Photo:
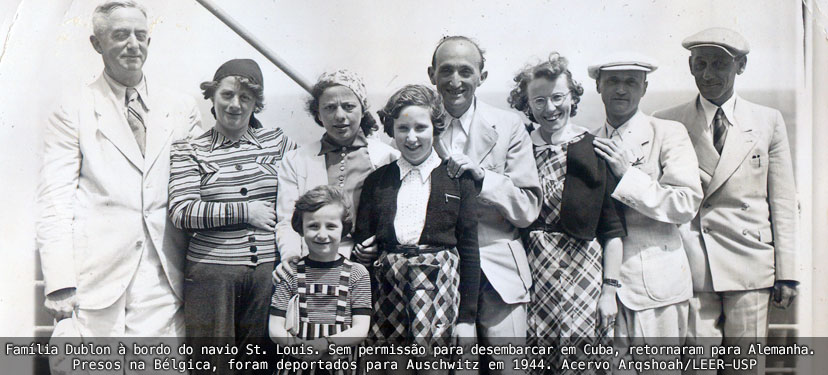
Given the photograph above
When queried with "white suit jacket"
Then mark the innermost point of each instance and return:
(102, 204)
(303, 169)
(744, 236)
(660, 192)
(509, 198)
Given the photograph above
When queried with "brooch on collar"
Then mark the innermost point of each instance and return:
(638, 161)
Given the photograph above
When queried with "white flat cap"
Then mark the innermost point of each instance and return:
(730, 41)
(623, 61)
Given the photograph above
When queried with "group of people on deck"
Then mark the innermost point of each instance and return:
(472, 226)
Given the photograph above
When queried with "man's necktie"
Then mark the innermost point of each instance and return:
(719, 130)
(135, 118)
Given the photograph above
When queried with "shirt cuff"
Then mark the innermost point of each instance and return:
(243, 210)
(276, 311)
(630, 186)
(361, 311)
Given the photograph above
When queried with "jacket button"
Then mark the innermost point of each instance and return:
(251, 238)
(254, 258)
(705, 230)
(253, 249)
(706, 205)
(745, 206)
(744, 232)
(238, 167)
(243, 191)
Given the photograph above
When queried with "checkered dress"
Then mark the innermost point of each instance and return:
(567, 271)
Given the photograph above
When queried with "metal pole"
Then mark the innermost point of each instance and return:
(256, 43)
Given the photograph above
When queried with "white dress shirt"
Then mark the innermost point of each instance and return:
(120, 93)
(623, 135)
(618, 133)
(710, 112)
(458, 136)
(412, 198)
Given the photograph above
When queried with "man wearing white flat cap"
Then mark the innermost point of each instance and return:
(741, 245)
(660, 189)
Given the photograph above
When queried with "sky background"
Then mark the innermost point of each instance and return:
(46, 53)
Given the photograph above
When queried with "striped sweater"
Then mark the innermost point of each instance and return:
(212, 179)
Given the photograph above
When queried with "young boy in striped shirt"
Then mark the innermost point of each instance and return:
(334, 294)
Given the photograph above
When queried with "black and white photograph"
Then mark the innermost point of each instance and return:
(414, 187)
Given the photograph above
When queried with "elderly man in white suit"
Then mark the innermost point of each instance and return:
(660, 189)
(108, 251)
(742, 244)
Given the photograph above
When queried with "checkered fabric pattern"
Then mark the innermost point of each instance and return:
(567, 271)
(417, 298)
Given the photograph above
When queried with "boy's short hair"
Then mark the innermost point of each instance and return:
(317, 198)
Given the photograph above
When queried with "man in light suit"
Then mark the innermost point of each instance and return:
(660, 189)
(494, 147)
(742, 244)
(108, 251)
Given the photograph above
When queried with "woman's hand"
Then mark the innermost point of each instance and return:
(607, 307)
(262, 215)
(283, 271)
(366, 252)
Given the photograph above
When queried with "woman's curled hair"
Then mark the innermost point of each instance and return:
(413, 95)
(551, 70)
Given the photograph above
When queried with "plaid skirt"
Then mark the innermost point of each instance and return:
(417, 298)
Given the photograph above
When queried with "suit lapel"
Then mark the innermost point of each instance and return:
(482, 134)
(639, 139)
(705, 152)
(158, 129)
(112, 123)
(740, 140)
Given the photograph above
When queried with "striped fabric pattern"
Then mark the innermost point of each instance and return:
(334, 304)
(212, 179)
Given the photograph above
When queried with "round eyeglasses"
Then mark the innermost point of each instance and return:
(541, 102)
